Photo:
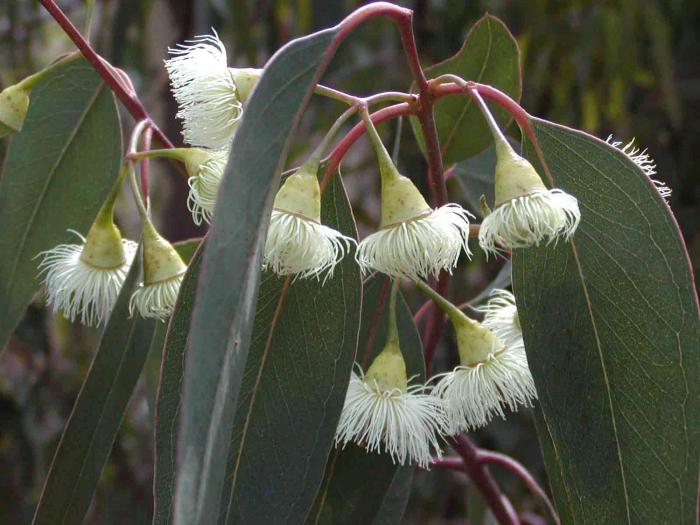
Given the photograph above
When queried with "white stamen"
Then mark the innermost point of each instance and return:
(406, 425)
(77, 289)
(296, 245)
(204, 187)
(644, 161)
(501, 317)
(541, 216)
(205, 92)
(156, 300)
(418, 248)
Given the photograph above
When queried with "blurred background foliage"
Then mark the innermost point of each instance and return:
(622, 67)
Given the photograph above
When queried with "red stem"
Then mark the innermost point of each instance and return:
(106, 71)
(488, 456)
(479, 473)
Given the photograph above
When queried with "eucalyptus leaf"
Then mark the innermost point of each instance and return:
(610, 322)
(296, 377)
(57, 173)
(355, 483)
(97, 414)
(222, 320)
(490, 55)
(169, 397)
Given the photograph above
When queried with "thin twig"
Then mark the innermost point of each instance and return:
(479, 473)
(105, 70)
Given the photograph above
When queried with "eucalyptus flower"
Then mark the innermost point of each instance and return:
(383, 412)
(414, 240)
(491, 375)
(210, 96)
(526, 213)
(493, 372)
(297, 242)
(163, 271)
(83, 280)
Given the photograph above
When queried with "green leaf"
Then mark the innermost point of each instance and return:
(169, 394)
(295, 380)
(222, 319)
(152, 370)
(58, 171)
(490, 55)
(97, 414)
(356, 482)
(611, 330)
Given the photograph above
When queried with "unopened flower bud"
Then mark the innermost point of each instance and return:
(14, 103)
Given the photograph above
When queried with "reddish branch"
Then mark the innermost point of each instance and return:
(106, 71)
(476, 469)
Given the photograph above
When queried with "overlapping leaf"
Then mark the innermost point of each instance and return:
(57, 173)
(222, 319)
(611, 329)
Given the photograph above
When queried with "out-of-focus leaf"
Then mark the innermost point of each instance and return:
(610, 322)
(97, 414)
(502, 280)
(222, 320)
(57, 173)
(170, 395)
(356, 482)
(490, 56)
(296, 377)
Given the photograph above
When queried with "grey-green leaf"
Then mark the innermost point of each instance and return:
(490, 55)
(356, 482)
(97, 414)
(169, 394)
(56, 175)
(222, 319)
(612, 335)
(296, 377)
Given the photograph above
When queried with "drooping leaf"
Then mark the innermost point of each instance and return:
(222, 319)
(489, 55)
(296, 377)
(356, 482)
(57, 173)
(611, 330)
(97, 414)
(169, 396)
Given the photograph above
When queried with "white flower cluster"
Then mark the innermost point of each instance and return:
(407, 421)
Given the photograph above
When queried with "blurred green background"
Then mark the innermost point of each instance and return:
(628, 68)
